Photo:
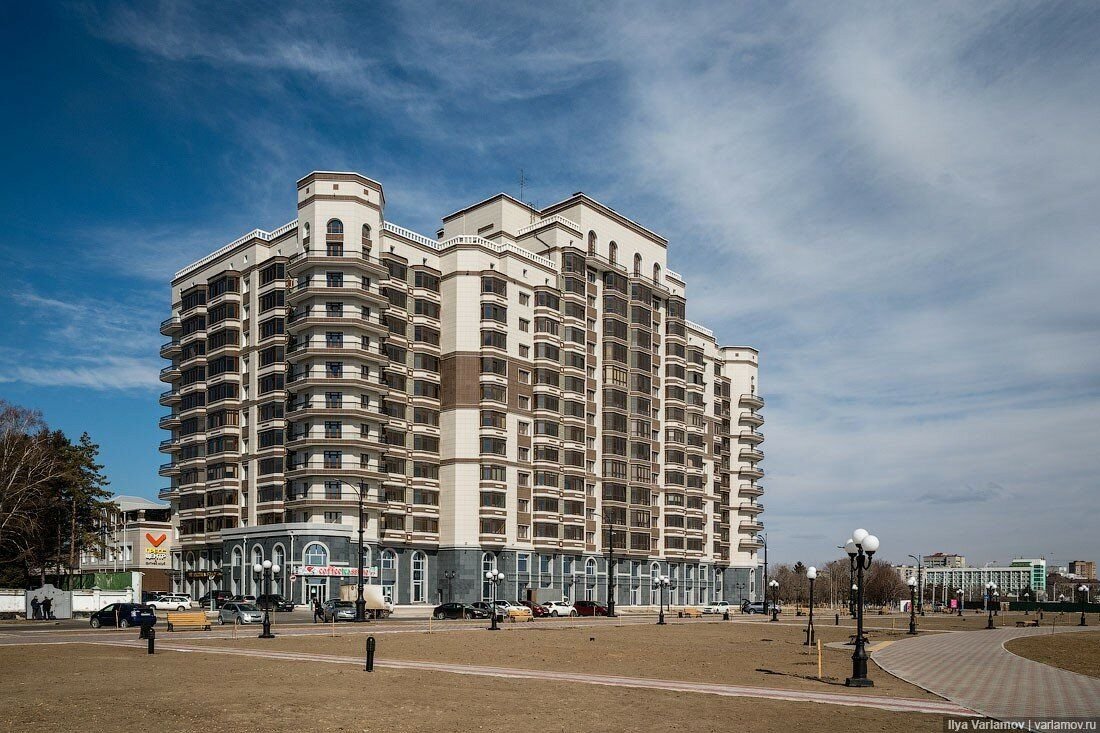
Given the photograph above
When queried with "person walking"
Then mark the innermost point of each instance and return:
(318, 612)
(36, 609)
(47, 608)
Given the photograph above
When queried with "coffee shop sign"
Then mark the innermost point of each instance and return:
(336, 571)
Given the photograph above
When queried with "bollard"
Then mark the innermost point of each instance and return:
(836, 620)
(680, 614)
(143, 631)
(370, 654)
(151, 636)
(726, 615)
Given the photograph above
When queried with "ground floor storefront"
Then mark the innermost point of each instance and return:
(316, 560)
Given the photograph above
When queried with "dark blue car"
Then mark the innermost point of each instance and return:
(124, 615)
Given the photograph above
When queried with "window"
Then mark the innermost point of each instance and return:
(418, 577)
(494, 312)
(488, 564)
(493, 285)
(315, 554)
(426, 280)
(493, 472)
(494, 392)
(273, 299)
(334, 226)
(494, 339)
(494, 446)
(524, 325)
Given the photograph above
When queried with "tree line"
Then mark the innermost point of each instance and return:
(52, 497)
(881, 584)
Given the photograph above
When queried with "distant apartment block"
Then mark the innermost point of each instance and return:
(941, 583)
(944, 560)
(1083, 569)
(521, 392)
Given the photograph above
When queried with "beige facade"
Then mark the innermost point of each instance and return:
(526, 384)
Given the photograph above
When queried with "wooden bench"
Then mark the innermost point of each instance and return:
(188, 620)
(1025, 624)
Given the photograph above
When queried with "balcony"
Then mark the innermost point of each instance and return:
(169, 445)
(167, 493)
(753, 509)
(753, 401)
(750, 472)
(169, 397)
(345, 258)
(750, 491)
(750, 527)
(751, 418)
(750, 454)
(170, 373)
(170, 325)
(751, 436)
(170, 349)
(747, 544)
(169, 421)
(169, 469)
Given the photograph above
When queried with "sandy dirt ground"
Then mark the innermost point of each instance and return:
(90, 688)
(1078, 652)
(758, 654)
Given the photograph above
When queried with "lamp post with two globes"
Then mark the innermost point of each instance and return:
(494, 578)
(959, 593)
(267, 570)
(860, 548)
(774, 585)
(662, 583)
(1084, 591)
(912, 604)
(990, 591)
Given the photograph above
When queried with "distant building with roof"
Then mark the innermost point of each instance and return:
(136, 534)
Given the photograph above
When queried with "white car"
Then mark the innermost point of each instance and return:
(719, 607)
(560, 608)
(171, 602)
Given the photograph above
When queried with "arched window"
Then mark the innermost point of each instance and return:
(237, 570)
(389, 575)
(488, 562)
(637, 264)
(278, 557)
(257, 581)
(366, 556)
(418, 580)
(335, 226)
(305, 233)
(591, 243)
(656, 273)
(613, 253)
(315, 554)
(589, 579)
(366, 237)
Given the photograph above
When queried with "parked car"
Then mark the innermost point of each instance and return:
(334, 610)
(559, 608)
(489, 612)
(235, 612)
(124, 615)
(589, 608)
(220, 597)
(718, 607)
(536, 610)
(515, 611)
(458, 610)
(169, 602)
(243, 599)
(758, 607)
(275, 601)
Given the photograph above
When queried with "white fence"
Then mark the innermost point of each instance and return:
(14, 601)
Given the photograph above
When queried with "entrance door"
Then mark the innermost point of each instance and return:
(316, 588)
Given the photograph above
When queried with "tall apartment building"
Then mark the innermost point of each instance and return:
(523, 392)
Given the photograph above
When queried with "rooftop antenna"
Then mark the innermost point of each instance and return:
(523, 181)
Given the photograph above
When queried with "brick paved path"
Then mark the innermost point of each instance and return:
(901, 704)
(973, 669)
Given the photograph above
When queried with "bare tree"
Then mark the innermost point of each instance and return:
(29, 463)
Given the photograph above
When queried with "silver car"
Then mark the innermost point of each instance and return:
(240, 613)
(338, 611)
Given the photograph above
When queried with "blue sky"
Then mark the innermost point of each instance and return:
(895, 202)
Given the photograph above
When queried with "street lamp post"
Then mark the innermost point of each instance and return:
(774, 585)
(959, 593)
(860, 548)
(852, 599)
(495, 578)
(920, 580)
(811, 575)
(764, 539)
(1084, 591)
(266, 570)
(360, 601)
(990, 589)
(662, 582)
(912, 605)
(610, 565)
